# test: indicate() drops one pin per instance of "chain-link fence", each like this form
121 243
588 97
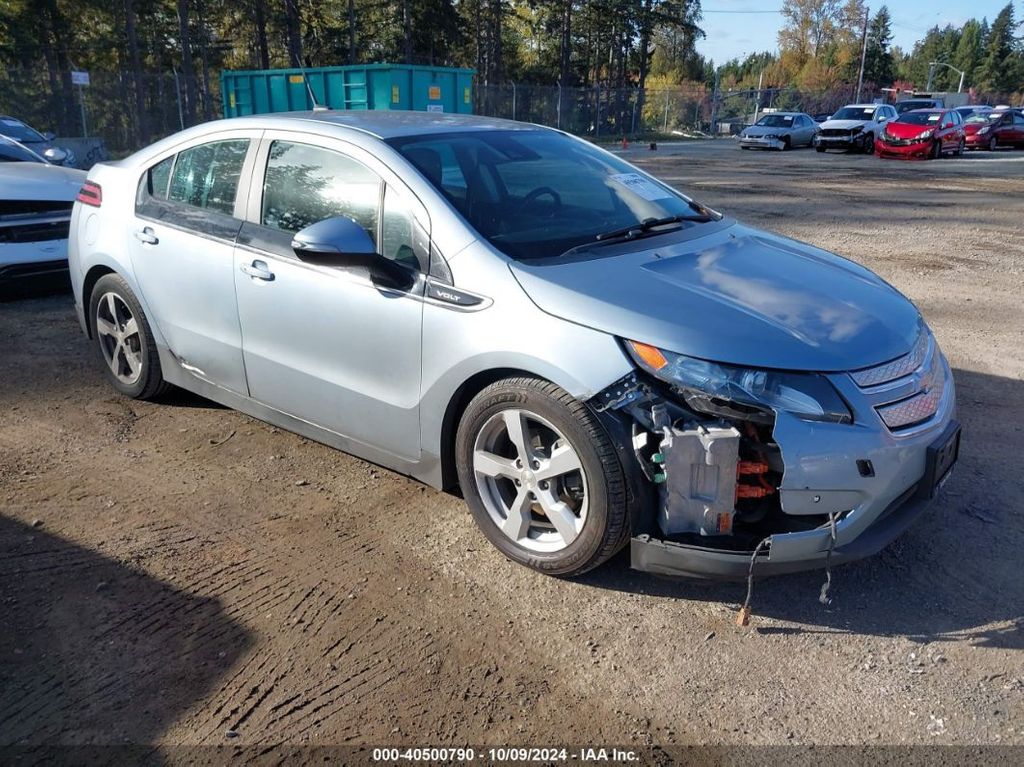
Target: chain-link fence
599 111
126 112
123 111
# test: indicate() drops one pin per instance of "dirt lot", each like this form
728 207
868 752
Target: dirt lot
178 573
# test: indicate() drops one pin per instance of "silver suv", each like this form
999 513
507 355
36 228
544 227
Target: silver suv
595 359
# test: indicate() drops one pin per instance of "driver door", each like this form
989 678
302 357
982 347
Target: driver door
325 344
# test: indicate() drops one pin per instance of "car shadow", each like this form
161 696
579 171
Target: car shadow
95 652
955 575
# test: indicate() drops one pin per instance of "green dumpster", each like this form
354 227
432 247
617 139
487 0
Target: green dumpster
373 86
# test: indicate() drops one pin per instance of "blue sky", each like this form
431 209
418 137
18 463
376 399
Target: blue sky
732 35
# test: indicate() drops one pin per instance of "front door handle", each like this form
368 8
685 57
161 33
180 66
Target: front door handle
146 236
258 271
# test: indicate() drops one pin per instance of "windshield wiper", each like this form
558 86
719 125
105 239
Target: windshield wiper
636 230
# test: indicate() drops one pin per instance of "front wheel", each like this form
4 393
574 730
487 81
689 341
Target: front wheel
993 144
123 340
541 477
786 144
961 148
937 150
869 144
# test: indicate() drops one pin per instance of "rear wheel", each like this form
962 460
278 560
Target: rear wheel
123 340
541 477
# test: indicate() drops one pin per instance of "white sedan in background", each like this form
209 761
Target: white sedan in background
35 212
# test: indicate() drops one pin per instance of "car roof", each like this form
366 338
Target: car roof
385 124
861 106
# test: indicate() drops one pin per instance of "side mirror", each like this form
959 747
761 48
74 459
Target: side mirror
340 241
56 155
49 135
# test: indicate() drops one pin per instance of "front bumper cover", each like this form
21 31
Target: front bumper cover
822 477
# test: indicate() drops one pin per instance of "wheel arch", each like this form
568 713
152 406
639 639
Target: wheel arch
457 404
91 278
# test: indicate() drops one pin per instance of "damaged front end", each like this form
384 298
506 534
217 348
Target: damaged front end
785 471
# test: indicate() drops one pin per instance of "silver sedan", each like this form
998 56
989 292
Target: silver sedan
780 130
595 359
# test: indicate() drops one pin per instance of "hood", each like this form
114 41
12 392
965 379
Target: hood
737 295
844 124
971 128
908 130
39 181
764 130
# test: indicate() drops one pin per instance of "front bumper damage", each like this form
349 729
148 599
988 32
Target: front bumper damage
872 481
762 142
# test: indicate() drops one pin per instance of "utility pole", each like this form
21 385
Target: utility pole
714 106
757 104
863 52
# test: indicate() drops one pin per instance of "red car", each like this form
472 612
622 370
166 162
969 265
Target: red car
923 133
995 129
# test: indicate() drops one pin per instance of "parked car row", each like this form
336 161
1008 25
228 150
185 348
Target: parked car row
927 131
40 143
35 211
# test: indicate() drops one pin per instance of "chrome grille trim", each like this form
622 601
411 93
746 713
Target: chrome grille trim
921 406
897 368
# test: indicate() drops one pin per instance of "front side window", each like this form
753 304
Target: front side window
537 193
398 230
305 184
206 176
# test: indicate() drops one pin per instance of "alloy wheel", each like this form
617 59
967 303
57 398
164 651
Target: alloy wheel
119 338
992 144
531 480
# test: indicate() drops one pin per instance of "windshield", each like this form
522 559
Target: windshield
775 121
537 193
11 151
855 113
984 117
906 106
920 118
18 131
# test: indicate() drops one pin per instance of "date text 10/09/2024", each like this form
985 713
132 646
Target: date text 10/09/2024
504 754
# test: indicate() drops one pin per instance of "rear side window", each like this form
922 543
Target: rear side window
206 176
305 184
160 178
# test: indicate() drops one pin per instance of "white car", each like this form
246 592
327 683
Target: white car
855 127
35 211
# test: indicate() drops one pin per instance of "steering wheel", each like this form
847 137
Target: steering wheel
535 194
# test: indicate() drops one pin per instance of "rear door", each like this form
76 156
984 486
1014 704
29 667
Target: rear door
325 343
188 213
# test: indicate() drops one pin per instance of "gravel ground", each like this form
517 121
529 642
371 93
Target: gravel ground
177 573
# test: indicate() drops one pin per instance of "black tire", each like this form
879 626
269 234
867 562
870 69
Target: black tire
150 382
819 147
606 528
993 144
786 145
868 145
937 150
961 148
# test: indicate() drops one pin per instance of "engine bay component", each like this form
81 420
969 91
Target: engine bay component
701 463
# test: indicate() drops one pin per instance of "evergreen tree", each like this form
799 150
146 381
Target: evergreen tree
878 61
1000 69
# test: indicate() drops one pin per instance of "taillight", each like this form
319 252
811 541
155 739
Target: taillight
90 194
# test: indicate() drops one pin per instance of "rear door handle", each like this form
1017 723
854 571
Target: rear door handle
258 271
146 236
